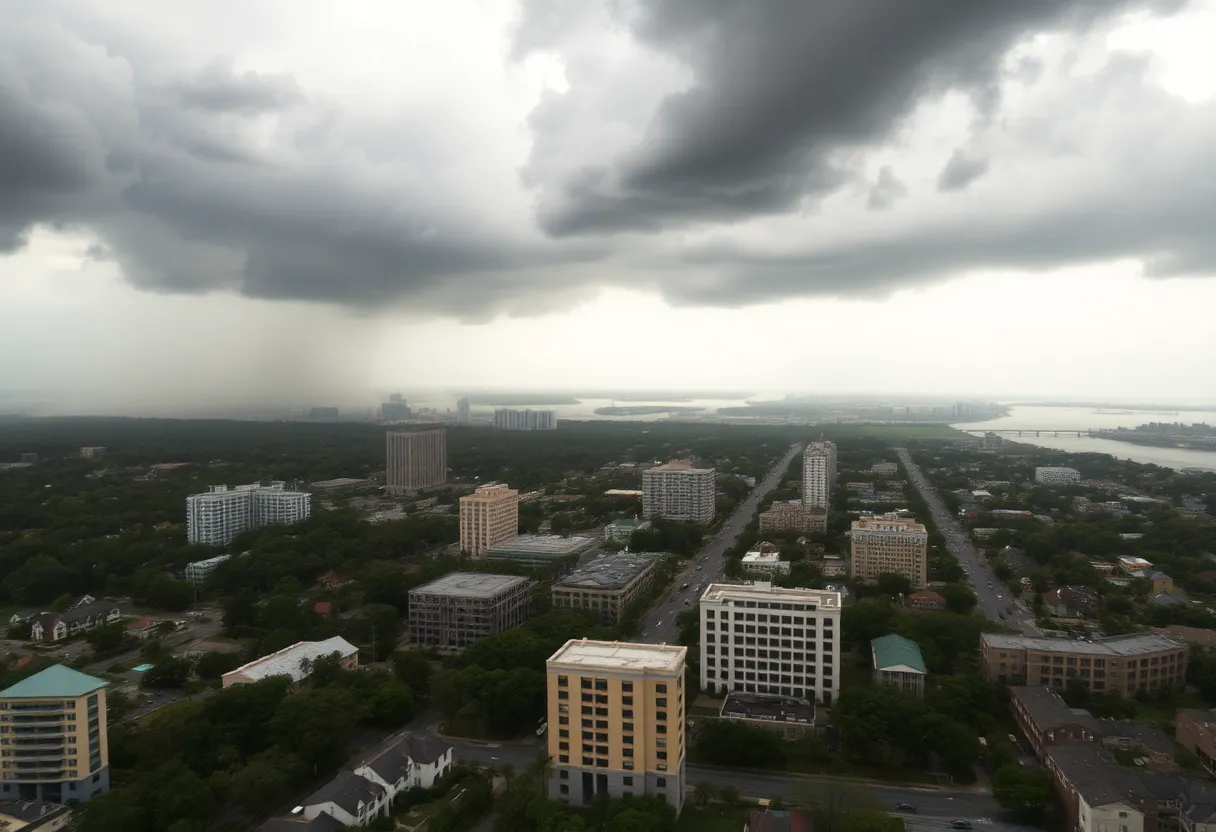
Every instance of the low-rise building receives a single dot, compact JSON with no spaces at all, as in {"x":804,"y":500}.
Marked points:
{"x":1056,"y":475}
{"x":33,"y":816}
{"x":899,"y":663}
{"x":620,"y":531}
{"x":200,"y":571}
{"x":1046,"y":720}
{"x":793,"y":516}
{"x":790,"y":719}
{"x":56,"y":626}
{"x":340,"y":485}
{"x":607,"y":585}
{"x":769,"y":819}
{"x":540,"y":550}
{"x":1125,"y":663}
{"x":294,"y":662}
{"x":885,"y":469}
{"x":1071,"y":602}
{"x":925,"y":601}
{"x":765,"y":563}
{"x":1160,"y":581}
{"x":454,"y":611}
{"x":1195,"y":730}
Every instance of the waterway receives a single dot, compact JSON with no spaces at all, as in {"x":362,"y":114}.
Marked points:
{"x":584,"y":409}
{"x":1086,"y":418}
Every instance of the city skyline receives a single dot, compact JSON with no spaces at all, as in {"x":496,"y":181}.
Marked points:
{"x":599,"y":185}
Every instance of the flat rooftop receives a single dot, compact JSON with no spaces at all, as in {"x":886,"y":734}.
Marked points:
{"x":338,"y":482}
{"x":765,"y":591}
{"x":620,"y":655}
{"x":680,"y":466}
{"x":543,"y":544}
{"x":1135,"y":644}
{"x":470,"y":585}
{"x":611,"y":571}
{"x":290,"y":661}
{"x":768,"y":708}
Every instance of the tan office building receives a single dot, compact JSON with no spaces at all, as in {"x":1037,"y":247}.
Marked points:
{"x":487,"y":516}
{"x":55,"y":743}
{"x":607,"y":585}
{"x":1128,"y":663}
{"x":417,"y":457}
{"x":679,"y":491}
{"x":616,"y":721}
{"x":889,"y":543}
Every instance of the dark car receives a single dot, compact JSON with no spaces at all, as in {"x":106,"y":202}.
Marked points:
{"x":905,"y":807}
{"x":960,"y":824}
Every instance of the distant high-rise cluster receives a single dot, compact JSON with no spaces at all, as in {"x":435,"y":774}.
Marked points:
{"x":323,"y":414}
{"x":818,"y":474}
{"x":396,"y":409}
{"x":417,"y":457}
{"x":487,"y":516}
{"x":679,"y":491}
{"x":218,"y":515}
{"x":507,"y":419}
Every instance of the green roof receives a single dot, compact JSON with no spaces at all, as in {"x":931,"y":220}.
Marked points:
{"x":892,"y":650}
{"x":56,"y":681}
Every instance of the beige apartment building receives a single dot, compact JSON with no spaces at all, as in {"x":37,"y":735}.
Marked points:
{"x":1128,"y":663}
{"x":487,"y":516}
{"x":417,"y":457}
{"x":616,"y":721}
{"x":889,"y":543}
{"x":679,"y":491}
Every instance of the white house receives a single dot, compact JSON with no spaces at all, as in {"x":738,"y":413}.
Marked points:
{"x":83,"y":616}
{"x":766,"y":563}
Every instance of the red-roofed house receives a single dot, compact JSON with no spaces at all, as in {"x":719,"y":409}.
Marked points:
{"x":324,"y":608}
{"x":925,"y":601}
{"x":333,"y":579}
{"x":143,"y":628}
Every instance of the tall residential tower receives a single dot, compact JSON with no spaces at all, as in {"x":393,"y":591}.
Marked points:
{"x":219,"y":514}
{"x":679,"y":491}
{"x":487,"y":516}
{"x":818,"y":474}
{"x":417,"y":458}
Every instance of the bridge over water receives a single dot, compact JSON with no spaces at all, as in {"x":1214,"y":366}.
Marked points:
{"x":1037,"y":432}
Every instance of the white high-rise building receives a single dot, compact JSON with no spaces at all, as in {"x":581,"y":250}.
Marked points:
{"x":464,"y":412}
{"x":818,"y":474}
{"x":678,"y":491}
{"x":762,"y":639}
{"x":218,"y":515}
{"x":507,"y":419}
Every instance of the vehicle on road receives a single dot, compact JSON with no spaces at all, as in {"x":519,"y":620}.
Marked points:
{"x":905,"y":807}
{"x":683,"y":587}
{"x":960,"y":824}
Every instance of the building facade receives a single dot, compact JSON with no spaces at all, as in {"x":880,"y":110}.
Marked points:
{"x":1046,"y":720}
{"x":454,"y":611}
{"x":765,"y":563}
{"x":218,"y":515}
{"x":607,"y":585}
{"x":888,"y":543}
{"x":793,"y":516}
{"x":464,"y":412}
{"x":1056,"y":475}
{"x":762,"y":639}
{"x":1128,"y":663}
{"x":506,"y":418}
{"x":818,"y":474}
{"x":899,"y":663}
{"x":616,"y":721}
{"x":55,"y":741}
{"x":200,"y":571}
{"x":620,"y":531}
{"x":679,"y":491}
{"x":417,"y":457}
{"x":537,"y":551}
{"x":487,"y":516}
{"x":1195,"y":730}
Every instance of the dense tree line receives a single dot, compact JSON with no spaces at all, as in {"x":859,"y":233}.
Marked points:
{"x":524,"y":806}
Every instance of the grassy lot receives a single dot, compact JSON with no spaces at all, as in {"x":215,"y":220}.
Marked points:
{"x":712,"y":818}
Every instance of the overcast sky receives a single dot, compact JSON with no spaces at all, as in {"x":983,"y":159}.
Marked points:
{"x":308,"y":200}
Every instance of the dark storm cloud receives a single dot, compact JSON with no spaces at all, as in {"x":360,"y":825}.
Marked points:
{"x":886,"y":190}
{"x":217,"y":87}
{"x":962,"y":168}
{"x":778,"y":86}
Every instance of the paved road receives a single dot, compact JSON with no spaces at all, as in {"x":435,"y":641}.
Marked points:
{"x":993,"y":596}
{"x":659,"y":625}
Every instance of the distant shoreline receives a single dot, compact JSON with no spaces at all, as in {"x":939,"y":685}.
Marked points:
{"x":645,"y":410}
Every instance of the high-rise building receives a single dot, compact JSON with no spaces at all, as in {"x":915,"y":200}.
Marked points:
{"x":888,"y":543}
{"x":417,"y":458}
{"x":818,"y":474}
{"x":464,"y":412}
{"x":218,"y":515}
{"x":616,"y":721}
{"x":679,"y":491}
{"x":763,"y":639}
{"x":487,"y":516}
{"x":507,"y":419}
{"x":55,"y":742}
{"x":396,"y":409}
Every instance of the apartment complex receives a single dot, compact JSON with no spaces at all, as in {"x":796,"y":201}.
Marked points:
{"x":793,"y":516}
{"x":818,"y":474}
{"x":889,"y":543}
{"x":616,"y":721}
{"x":55,"y":742}
{"x":417,"y":457}
{"x":454,"y":611}
{"x":1055,"y":475}
{"x":1127,"y":663}
{"x":762,"y":639}
{"x":218,"y":515}
{"x":507,"y":419}
{"x":200,"y":571}
{"x":679,"y":491}
{"x":607,"y":585}
{"x":898,"y":662}
{"x":487,"y":516}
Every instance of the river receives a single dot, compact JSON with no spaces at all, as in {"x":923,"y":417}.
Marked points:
{"x":1086,"y":418}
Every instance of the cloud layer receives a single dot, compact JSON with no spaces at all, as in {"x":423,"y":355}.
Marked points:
{"x":726,"y":152}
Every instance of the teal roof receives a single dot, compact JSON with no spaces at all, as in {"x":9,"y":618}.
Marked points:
{"x":892,"y":650}
{"x":56,"y":681}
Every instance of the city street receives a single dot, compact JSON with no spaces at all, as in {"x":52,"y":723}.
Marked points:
{"x":994,"y":600}
{"x":659,"y":624}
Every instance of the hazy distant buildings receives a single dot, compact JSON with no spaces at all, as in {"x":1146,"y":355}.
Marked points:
{"x":395,"y":409}
{"x":506,"y":418}
{"x":417,"y":458}
{"x":992,"y":441}
{"x":1055,"y":475}
{"x":464,"y":412}
{"x":487,"y":516}
{"x":29,"y":458}
{"x":91,"y":452}
{"x":679,"y":491}
{"x":218,"y":515}
{"x":818,"y":474}
{"x":888,"y":543}
{"x":323,"y":414}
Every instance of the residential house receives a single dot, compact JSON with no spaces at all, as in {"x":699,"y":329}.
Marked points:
{"x":1046,"y":720}
{"x":1161,"y":582}
{"x":349,"y":799}
{"x":143,"y":629}
{"x":925,"y":601}
{"x":324,"y":609}
{"x":23,"y":617}
{"x":80,"y":618}
{"x":409,"y":763}
{"x":299,"y":823}
{"x":1071,"y":602}
{"x":333,"y":580}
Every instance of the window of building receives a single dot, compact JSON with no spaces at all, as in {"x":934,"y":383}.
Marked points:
{"x":660,"y":782}
{"x":563,"y":681}
{"x":565,"y":787}
{"x":627,"y":687}
{"x":660,"y":688}
{"x":661,"y":702}
{"x":626,"y":781}
{"x":564,"y":775}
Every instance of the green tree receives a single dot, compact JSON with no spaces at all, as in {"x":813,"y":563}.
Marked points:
{"x":894,"y":585}
{"x":316,"y":725}
{"x":1024,"y":793}
{"x":729,"y":742}
{"x":415,"y":669}
{"x":167,"y":672}
{"x":213,"y":665}
{"x":108,"y":639}
{"x":959,"y":598}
